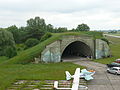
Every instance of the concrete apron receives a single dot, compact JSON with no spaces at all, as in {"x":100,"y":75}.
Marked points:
{"x":73,"y":59}
{"x":102,"y":80}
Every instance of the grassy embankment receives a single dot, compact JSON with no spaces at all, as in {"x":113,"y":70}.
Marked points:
{"x":3,"y":59}
{"x":114,"y":48}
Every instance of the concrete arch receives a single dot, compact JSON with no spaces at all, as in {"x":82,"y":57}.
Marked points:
{"x":67,"y":44}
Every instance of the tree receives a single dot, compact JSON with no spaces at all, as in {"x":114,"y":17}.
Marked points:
{"x":36,"y":23}
{"x":36,"y":27}
{"x":7,"y":44}
{"x":50,"y":28}
{"x":113,"y":31}
{"x":83,"y":27}
{"x":61,"y":29}
{"x":16,"y":33}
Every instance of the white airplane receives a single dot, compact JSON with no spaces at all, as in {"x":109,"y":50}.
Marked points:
{"x":87,"y":75}
{"x":76,"y":78}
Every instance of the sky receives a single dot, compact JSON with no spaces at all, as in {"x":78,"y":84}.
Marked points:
{"x":97,"y":14}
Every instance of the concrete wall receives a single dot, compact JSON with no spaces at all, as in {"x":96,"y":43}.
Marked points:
{"x":102,"y":49}
{"x":51,"y":53}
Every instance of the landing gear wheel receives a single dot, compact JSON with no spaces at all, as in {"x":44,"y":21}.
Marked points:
{"x":116,"y":73}
{"x":108,"y":71}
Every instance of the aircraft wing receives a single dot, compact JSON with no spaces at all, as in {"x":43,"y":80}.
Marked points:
{"x":88,"y":77}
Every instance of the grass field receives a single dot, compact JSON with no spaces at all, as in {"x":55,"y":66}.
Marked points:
{"x":115,"y":50}
{"x":3,"y":58}
{"x":52,"y":71}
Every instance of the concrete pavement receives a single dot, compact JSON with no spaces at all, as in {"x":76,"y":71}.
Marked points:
{"x":112,"y":35}
{"x":102,"y":80}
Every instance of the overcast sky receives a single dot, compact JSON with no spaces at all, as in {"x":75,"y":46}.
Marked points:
{"x":97,"y":14}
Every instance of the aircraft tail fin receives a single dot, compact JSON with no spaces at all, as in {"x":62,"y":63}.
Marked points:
{"x":68,"y":75}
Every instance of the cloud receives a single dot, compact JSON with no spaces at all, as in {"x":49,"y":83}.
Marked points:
{"x":98,"y":14}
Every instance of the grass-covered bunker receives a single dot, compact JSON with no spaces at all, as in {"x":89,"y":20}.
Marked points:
{"x":59,"y":45}
{"x":75,"y":45}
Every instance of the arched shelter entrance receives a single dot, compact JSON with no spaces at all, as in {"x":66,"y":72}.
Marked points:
{"x":77,"y":49}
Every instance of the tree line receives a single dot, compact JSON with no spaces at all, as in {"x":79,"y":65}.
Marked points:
{"x":35,"y":31}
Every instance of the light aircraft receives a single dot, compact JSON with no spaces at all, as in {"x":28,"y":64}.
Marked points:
{"x":76,"y":78}
{"x":87,"y":75}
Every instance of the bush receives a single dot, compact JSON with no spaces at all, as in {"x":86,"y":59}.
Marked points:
{"x":10,"y":51}
{"x":20,"y":47}
{"x":31,"y":42}
{"x":104,"y":39}
{"x":46,"y":36}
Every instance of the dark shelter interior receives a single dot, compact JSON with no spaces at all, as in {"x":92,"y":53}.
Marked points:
{"x":77,"y":49}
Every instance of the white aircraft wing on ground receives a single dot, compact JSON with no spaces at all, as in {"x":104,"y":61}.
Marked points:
{"x":76,"y":79}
